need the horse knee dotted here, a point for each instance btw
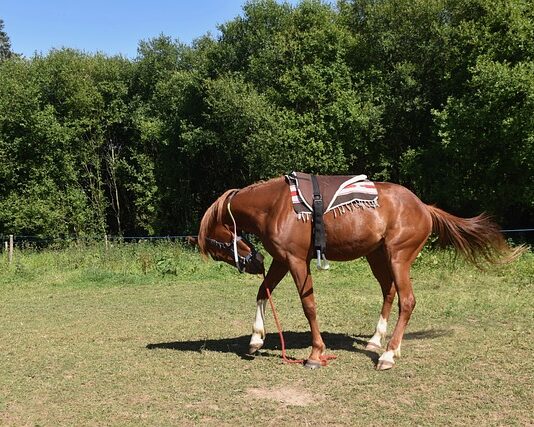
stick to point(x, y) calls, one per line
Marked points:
point(407, 304)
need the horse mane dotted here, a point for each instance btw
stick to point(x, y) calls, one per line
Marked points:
point(212, 216)
point(255, 184)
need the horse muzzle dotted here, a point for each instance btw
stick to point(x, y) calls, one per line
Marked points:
point(254, 264)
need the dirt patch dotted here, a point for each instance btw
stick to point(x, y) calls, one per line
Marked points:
point(289, 396)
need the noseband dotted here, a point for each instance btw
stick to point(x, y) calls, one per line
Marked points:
point(240, 261)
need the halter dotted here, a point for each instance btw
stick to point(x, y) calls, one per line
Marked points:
point(240, 261)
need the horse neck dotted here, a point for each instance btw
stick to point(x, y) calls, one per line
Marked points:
point(252, 205)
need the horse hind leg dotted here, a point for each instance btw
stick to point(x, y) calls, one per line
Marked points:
point(276, 273)
point(400, 264)
point(406, 306)
point(379, 264)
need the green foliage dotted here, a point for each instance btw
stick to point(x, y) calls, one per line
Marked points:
point(488, 135)
point(436, 95)
point(5, 44)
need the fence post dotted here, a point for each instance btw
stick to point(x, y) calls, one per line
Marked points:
point(10, 248)
point(106, 241)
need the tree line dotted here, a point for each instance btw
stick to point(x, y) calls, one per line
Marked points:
point(437, 95)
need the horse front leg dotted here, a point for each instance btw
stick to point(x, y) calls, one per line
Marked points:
point(302, 277)
point(276, 273)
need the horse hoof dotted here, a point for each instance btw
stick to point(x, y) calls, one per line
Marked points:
point(253, 350)
point(384, 365)
point(312, 364)
point(373, 347)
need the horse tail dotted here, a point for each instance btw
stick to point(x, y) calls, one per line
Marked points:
point(212, 216)
point(478, 239)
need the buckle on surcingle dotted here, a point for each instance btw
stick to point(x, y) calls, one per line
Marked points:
point(322, 262)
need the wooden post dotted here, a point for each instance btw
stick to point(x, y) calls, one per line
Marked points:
point(106, 241)
point(10, 248)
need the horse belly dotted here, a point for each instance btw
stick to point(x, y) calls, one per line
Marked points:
point(353, 235)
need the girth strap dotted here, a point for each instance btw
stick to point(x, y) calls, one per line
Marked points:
point(319, 234)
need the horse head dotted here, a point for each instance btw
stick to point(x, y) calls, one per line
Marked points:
point(222, 242)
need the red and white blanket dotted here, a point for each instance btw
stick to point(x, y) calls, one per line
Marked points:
point(340, 193)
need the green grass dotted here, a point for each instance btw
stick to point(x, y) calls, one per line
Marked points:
point(150, 335)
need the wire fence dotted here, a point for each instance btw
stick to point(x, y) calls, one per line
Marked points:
point(520, 235)
point(73, 239)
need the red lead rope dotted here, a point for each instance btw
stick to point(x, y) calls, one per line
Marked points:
point(324, 359)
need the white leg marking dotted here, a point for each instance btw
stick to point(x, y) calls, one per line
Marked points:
point(258, 329)
point(397, 352)
point(380, 332)
point(388, 357)
point(387, 360)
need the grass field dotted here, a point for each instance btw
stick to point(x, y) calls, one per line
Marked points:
point(150, 335)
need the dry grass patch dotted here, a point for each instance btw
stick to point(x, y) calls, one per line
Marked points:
point(288, 396)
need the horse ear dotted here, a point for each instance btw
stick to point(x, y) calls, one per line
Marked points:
point(192, 240)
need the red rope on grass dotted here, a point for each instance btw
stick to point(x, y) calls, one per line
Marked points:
point(324, 358)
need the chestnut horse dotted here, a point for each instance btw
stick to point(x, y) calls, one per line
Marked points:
point(389, 236)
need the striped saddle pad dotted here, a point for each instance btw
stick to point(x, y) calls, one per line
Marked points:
point(340, 193)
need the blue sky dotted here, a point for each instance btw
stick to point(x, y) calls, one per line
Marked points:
point(110, 26)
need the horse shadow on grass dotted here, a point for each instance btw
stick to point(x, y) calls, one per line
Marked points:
point(293, 341)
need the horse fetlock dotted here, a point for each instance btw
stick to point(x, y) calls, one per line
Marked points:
point(257, 338)
point(318, 349)
point(258, 333)
point(374, 343)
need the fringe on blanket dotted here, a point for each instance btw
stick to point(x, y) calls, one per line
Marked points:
point(341, 210)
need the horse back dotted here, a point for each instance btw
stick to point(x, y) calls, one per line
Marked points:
point(356, 232)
